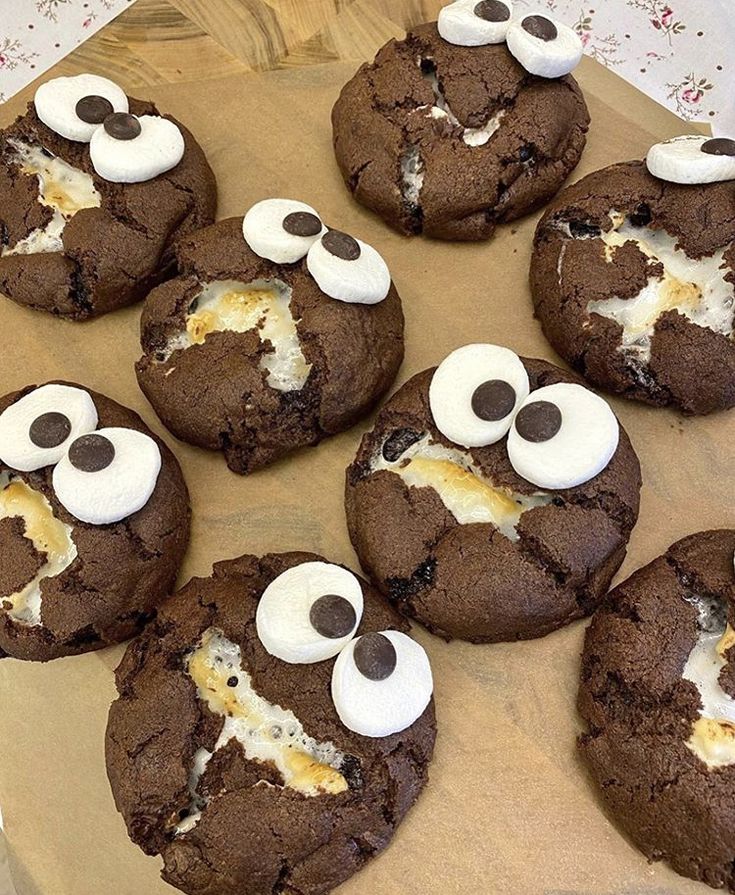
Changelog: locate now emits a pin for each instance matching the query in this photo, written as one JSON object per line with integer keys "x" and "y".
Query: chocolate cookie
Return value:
{"x": 94, "y": 522}
{"x": 657, "y": 695}
{"x": 633, "y": 280}
{"x": 482, "y": 536}
{"x": 94, "y": 189}
{"x": 276, "y": 333}
{"x": 450, "y": 140}
{"x": 243, "y": 755}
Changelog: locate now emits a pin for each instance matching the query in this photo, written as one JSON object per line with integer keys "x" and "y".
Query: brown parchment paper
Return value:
{"x": 509, "y": 808}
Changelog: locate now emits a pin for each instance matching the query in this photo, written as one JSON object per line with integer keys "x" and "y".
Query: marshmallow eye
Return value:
{"x": 36, "y": 430}
{"x": 107, "y": 475}
{"x": 381, "y": 683}
{"x": 282, "y": 230}
{"x": 128, "y": 149}
{"x": 347, "y": 269}
{"x": 309, "y": 612}
{"x": 473, "y": 23}
{"x": 544, "y": 47}
{"x": 693, "y": 159}
{"x": 75, "y": 107}
{"x": 475, "y": 393}
{"x": 562, "y": 436}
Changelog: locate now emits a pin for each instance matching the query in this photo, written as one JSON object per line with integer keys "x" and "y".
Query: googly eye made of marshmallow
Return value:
{"x": 693, "y": 159}
{"x": 127, "y": 149}
{"x": 309, "y": 612}
{"x": 282, "y": 230}
{"x": 36, "y": 430}
{"x": 381, "y": 683}
{"x": 75, "y": 107}
{"x": 347, "y": 269}
{"x": 475, "y": 393}
{"x": 543, "y": 46}
{"x": 107, "y": 475}
{"x": 473, "y": 23}
{"x": 562, "y": 436}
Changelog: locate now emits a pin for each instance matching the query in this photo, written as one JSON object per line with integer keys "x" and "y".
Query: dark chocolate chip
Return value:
{"x": 641, "y": 217}
{"x": 527, "y": 152}
{"x": 49, "y": 430}
{"x": 91, "y": 453}
{"x": 493, "y": 400}
{"x": 122, "y": 126}
{"x": 332, "y": 616}
{"x": 375, "y": 657}
{"x": 540, "y": 27}
{"x": 492, "y": 11}
{"x": 341, "y": 245}
{"x": 398, "y": 442}
{"x": 93, "y": 109}
{"x": 583, "y": 230}
{"x": 302, "y": 223}
{"x": 232, "y": 681}
{"x": 538, "y": 421}
{"x": 719, "y": 146}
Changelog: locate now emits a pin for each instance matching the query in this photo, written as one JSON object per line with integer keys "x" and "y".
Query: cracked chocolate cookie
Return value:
{"x": 633, "y": 281}
{"x": 276, "y": 333}
{"x": 94, "y": 189}
{"x": 494, "y": 498}
{"x": 657, "y": 688}
{"x": 247, "y": 756}
{"x": 94, "y": 522}
{"x": 450, "y": 140}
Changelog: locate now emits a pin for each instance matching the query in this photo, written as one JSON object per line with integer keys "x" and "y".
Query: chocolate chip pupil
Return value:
{"x": 540, "y": 27}
{"x": 375, "y": 657}
{"x": 493, "y": 400}
{"x": 332, "y": 616}
{"x": 91, "y": 453}
{"x": 492, "y": 11}
{"x": 539, "y": 421}
{"x": 302, "y": 223}
{"x": 342, "y": 245}
{"x": 49, "y": 430}
{"x": 122, "y": 126}
{"x": 719, "y": 146}
{"x": 93, "y": 109}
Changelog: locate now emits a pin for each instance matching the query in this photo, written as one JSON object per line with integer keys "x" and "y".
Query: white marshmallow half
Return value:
{"x": 545, "y": 58}
{"x": 681, "y": 160}
{"x": 381, "y": 708}
{"x": 580, "y": 450}
{"x": 18, "y": 451}
{"x": 282, "y": 619}
{"x": 459, "y": 23}
{"x": 364, "y": 281}
{"x": 56, "y": 103}
{"x": 158, "y": 147}
{"x": 454, "y": 383}
{"x": 264, "y": 232}
{"x": 119, "y": 490}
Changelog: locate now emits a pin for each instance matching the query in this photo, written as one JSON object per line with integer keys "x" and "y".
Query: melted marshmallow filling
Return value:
{"x": 266, "y": 732}
{"x": 49, "y": 535}
{"x": 462, "y": 488}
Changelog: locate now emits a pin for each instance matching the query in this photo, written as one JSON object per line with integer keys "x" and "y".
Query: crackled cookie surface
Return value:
{"x": 93, "y": 191}
{"x": 255, "y": 357}
{"x": 94, "y": 522}
{"x": 657, "y": 695}
{"x": 456, "y": 536}
{"x": 450, "y": 140}
{"x": 245, "y": 771}
{"x": 633, "y": 280}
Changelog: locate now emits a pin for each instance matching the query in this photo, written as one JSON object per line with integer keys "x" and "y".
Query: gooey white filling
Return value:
{"x": 463, "y": 490}
{"x": 263, "y": 304}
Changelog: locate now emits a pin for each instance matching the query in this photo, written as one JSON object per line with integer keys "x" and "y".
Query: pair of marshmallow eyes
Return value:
{"x": 544, "y": 47}
{"x": 100, "y": 475}
{"x": 381, "y": 682}
{"x": 693, "y": 159}
{"x": 123, "y": 148}
{"x": 559, "y": 436}
{"x": 285, "y": 231}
